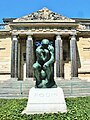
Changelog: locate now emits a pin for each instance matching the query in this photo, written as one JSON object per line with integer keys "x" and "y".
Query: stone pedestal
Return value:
{"x": 49, "y": 100}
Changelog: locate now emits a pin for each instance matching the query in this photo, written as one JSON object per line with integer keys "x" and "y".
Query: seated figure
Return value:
{"x": 43, "y": 68}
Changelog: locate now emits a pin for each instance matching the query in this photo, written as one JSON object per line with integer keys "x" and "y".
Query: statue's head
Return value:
{"x": 45, "y": 43}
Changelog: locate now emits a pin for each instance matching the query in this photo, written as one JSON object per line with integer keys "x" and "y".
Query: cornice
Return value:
{"x": 5, "y": 32}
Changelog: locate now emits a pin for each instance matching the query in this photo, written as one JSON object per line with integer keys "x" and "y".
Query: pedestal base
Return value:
{"x": 49, "y": 100}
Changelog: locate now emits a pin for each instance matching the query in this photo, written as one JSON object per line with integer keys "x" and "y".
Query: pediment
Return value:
{"x": 43, "y": 15}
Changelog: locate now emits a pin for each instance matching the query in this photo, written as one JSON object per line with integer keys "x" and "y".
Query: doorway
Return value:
{"x": 66, "y": 58}
{"x": 22, "y": 58}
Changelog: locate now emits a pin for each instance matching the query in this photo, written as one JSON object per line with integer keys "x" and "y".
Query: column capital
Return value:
{"x": 14, "y": 37}
{"x": 73, "y": 37}
{"x": 58, "y": 37}
{"x": 29, "y": 37}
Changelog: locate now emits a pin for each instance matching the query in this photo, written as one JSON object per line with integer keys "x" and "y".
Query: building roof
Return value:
{"x": 7, "y": 20}
{"x": 45, "y": 15}
{"x": 41, "y": 15}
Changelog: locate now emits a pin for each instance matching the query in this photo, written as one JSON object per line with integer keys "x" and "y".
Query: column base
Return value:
{"x": 74, "y": 78}
{"x": 14, "y": 79}
{"x": 59, "y": 78}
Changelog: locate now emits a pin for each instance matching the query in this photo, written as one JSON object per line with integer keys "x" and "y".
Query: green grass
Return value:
{"x": 78, "y": 109}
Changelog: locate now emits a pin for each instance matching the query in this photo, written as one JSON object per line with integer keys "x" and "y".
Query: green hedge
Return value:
{"x": 78, "y": 109}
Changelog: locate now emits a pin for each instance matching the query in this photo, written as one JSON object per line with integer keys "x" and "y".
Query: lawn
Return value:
{"x": 78, "y": 109}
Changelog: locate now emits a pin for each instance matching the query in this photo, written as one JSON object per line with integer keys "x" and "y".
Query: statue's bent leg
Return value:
{"x": 48, "y": 72}
{"x": 50, "y": 76}
{"x": 37, "y": 72}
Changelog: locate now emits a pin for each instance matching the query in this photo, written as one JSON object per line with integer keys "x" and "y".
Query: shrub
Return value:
{"x": 78, "y": 109}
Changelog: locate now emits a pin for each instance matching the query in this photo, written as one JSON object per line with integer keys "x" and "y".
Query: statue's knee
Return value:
{"x": 43, "y": 74}
{"x": 36, "y": 66}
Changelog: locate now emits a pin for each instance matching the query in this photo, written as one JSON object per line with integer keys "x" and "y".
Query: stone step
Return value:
{"x": 20, "y": 89}
{"x": 58, "y": 82}
{"x": 25, "y": 87}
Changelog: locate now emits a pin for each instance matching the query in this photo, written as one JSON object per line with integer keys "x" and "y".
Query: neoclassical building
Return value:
{"x": 19, "y": 38}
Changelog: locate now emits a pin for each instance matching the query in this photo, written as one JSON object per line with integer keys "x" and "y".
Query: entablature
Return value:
{"x": 30, "y": 24}
{"x": 5, "y": 33}
{"x": 43, "y": 32}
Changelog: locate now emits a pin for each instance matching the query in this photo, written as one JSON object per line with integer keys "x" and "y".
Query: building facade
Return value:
{"x": 19, "y": 38}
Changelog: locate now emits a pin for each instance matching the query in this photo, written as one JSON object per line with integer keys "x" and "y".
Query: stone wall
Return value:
{"x": 83, "y": 46}
{"x": 5, "y": 58}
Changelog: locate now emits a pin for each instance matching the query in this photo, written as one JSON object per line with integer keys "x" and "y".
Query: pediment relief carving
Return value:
{"x": 43, "y": 14}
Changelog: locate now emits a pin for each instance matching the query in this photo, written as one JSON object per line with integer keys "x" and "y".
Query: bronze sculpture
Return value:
{"x": 43, "y": 68}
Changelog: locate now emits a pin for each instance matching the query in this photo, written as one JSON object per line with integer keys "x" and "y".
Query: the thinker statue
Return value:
{"x": 43, "y": 68}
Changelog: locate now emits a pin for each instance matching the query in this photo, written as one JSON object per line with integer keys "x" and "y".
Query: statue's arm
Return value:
{"x": 39, "y": 54}
{"x": 51, "y": 60}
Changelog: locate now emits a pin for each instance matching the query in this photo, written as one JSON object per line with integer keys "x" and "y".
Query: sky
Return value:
{"x": 68, "y": 8}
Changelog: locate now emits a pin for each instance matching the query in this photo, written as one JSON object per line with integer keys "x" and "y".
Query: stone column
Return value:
{"x": 14, "y": 57}
{"x": 29, "y": 57}
{"x": 59, "y": 56}
{"x": 73, "y": 56}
